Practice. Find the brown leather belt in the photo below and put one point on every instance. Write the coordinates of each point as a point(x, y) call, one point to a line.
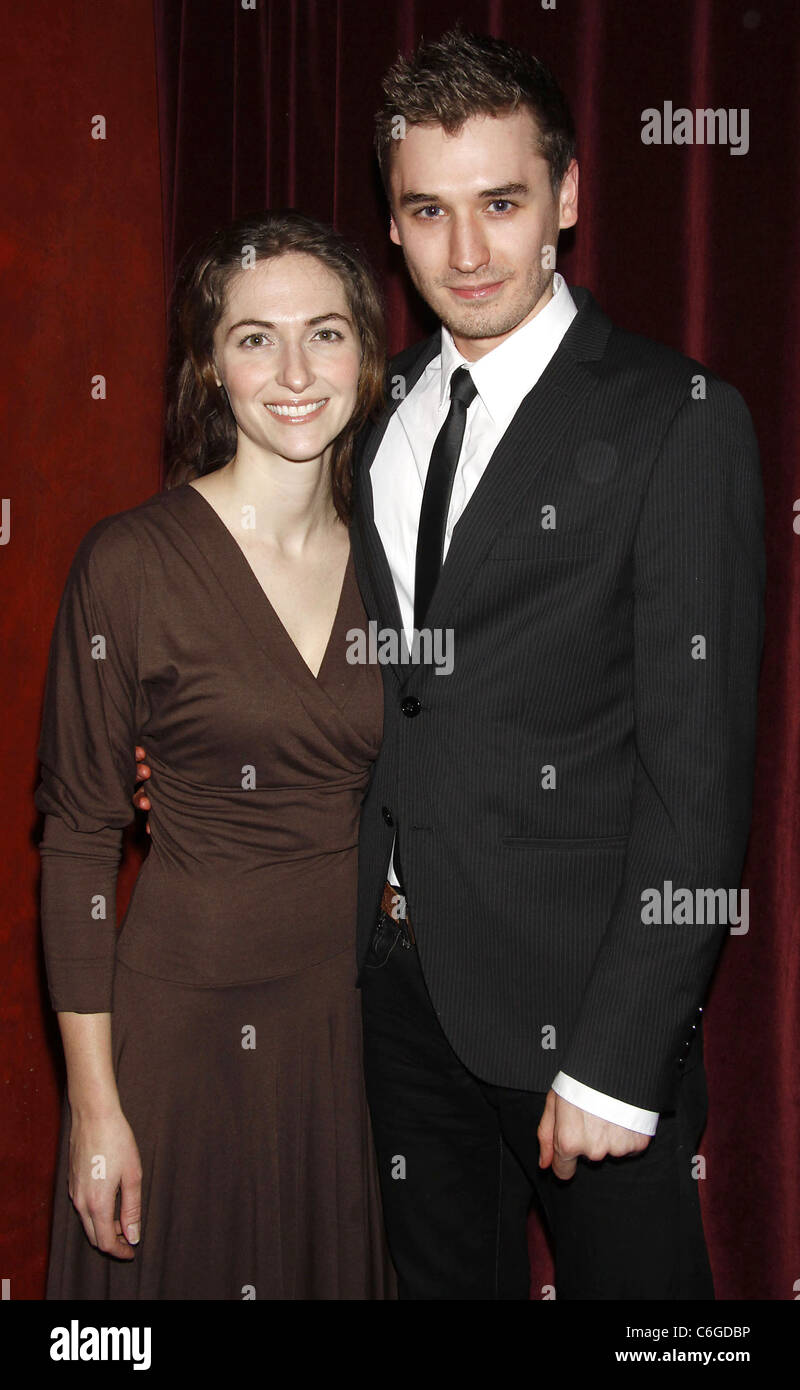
point(393, 904)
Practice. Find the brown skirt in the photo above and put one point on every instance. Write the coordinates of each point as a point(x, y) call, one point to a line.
point(259, 1173)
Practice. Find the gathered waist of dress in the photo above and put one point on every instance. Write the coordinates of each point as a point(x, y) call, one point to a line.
point(218, 924)
point(253, 827)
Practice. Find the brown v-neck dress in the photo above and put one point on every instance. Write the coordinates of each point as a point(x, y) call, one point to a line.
point(231, 983)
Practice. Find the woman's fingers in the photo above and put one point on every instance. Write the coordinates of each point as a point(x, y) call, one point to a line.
point(88, 1226)
point(103, 1231)
point(103, 1218)
point(130, 1206)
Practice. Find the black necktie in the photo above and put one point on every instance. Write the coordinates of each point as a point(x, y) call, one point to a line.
point(436, 496)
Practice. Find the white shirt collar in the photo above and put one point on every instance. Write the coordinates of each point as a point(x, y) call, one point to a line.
point(507, 373)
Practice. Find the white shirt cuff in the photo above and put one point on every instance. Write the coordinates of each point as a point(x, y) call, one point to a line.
point(605, 1107)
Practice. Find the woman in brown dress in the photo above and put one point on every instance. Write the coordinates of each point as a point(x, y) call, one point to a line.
point(215, 1140)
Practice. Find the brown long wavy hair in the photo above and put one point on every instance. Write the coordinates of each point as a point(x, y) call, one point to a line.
point(200, 433)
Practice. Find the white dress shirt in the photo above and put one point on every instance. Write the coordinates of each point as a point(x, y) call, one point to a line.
point(502, 378)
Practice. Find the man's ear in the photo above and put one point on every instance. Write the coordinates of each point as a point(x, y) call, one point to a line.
point(394, 235)
point(568, 197)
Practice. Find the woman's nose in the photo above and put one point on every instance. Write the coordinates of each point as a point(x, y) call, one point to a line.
point(294, 371)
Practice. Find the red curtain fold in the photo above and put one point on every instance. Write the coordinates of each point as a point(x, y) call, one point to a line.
point(83, 298)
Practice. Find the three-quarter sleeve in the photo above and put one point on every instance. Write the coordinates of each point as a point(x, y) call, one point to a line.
point(87, 764)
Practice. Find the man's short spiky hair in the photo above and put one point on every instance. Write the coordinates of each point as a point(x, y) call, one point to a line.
point(461, 75)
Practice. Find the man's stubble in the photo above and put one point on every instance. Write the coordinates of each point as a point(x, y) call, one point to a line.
point(475, 320)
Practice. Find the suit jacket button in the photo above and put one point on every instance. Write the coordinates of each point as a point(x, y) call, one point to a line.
point(387, 815)
point(410, 706)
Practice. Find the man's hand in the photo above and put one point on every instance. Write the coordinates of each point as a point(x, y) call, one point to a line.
point(139, 797)
point(565, 1132)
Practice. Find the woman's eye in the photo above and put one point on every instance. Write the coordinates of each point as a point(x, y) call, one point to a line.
point(251, 340)
point(333, 334)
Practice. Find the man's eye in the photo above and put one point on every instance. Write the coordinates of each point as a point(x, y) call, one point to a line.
point(429, 207)
point(505, 202)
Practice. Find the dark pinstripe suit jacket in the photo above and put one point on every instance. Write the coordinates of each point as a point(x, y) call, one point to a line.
point(595, 739)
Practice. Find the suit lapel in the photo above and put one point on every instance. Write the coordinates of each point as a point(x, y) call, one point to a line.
point(543, 416)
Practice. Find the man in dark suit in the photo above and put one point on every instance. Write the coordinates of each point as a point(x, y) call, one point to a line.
point(576, 511)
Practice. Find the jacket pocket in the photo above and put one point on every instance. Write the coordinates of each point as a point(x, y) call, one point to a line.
point(591, 842)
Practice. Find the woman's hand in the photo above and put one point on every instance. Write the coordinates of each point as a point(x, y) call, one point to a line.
point(139, 797)
point(104, 1157)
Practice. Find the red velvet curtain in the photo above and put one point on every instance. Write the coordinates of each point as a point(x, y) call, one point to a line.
point(272, 106)
point(689, 244)
point(83, 299)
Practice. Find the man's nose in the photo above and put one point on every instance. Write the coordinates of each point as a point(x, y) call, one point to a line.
point(468, 248)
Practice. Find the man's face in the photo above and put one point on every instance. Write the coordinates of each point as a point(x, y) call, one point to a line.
point(475, 214)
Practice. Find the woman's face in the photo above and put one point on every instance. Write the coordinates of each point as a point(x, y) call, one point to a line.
point(288, 354)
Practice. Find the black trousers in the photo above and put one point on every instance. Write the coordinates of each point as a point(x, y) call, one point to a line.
point(458, 1161)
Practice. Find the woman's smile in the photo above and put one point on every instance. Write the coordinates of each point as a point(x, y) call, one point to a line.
point(296, 413)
